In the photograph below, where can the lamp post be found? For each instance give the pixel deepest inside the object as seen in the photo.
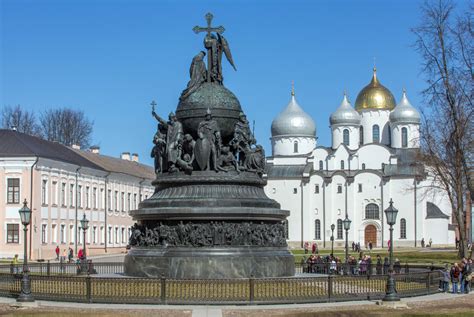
(332, 239)
(347, 225)
(25, 295)
(84, 226)
(391, 291)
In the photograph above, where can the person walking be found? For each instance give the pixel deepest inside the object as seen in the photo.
(422, 242)
(57, 252)
(445, 279)
(370, 245)
(378, 267)
(15, 263)
(386, 266)
(454, 274)
(466, 276)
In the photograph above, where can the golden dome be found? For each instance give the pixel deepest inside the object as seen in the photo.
(375, 96)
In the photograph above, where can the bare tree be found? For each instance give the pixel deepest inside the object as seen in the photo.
(445, 43)
(66, 126)
(20, 119)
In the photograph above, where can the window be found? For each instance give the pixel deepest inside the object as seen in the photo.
(71, 195)
(109, 199)
(13, 233)
(339, 229)
(404, 137)
(122, 201)
(342, 164)
(339, 189)
(375, 133)
(44, 192)
(345, 137)
(94, 198)
(372, 211)
(54, 233)
(287, 234)
(94, 234)
(116, 200)
(123, 235)
(295, 147)
(295, 190)
(321, 165)
(13, 192)
(116, 235)
(403, 228)
(361, 136)
(79, 196)
(102, 238)
(54, 193)
(129, 201)
(110, 234)
(43, 233)
(101, 199)
(360, 188)
(71, 234)
(134, 201)
(63, 194)
(316, 189)
(63, 233)
(317, 229)
(363, 166)
(87, 197)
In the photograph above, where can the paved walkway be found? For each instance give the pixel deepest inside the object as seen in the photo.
(217, 311)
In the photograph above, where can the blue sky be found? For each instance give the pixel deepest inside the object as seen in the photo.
(111, 58)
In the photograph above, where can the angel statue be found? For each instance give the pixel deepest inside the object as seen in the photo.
(215, 45)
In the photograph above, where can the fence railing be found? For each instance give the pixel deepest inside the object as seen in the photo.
(310, 288)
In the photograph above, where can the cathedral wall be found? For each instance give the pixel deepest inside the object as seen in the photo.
(285, 145)
(372, 156)
(379, 117)
(413, 136)
(337, 136)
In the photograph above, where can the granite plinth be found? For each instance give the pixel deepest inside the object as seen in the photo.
(209, 263)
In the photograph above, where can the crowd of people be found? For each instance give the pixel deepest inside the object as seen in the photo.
(459, 275)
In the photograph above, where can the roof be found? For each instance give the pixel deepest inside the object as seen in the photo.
(433, 212)
(293, 121)
(117, 165)
(281, 171)
(17, 144)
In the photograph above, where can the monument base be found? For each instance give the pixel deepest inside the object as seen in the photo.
(209, 263)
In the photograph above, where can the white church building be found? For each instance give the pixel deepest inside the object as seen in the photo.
(372, 159)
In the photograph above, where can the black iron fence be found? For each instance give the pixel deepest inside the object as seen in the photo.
(64, 286)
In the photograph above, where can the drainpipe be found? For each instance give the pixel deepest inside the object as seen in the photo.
(75, 210)
(324, 212)
(414, 204)
(31, 204)
(106, 211)
(302, 209)
(382, 211)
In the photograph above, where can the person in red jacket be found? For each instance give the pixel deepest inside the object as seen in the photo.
(57, 252)
(80, 254)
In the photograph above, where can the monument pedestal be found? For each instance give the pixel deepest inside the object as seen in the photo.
(209, 263)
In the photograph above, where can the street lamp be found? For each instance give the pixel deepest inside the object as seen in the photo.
(84, 226)
(332, 239)
(347, 225)
(25, 295)
(391, 292)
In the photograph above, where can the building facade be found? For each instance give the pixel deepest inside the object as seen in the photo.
(372, 160)
(61, 185)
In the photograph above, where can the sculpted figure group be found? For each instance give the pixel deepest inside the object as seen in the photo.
(175, 151)
(214, 233)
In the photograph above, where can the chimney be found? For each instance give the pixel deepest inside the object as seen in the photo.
(95, 149)
(125, 156)
(76, 146)
(135, 157)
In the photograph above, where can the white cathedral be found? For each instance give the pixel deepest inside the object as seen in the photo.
(372, 159)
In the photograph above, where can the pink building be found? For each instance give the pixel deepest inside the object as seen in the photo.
(61, 184)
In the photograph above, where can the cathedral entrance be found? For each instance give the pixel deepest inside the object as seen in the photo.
(370, 235)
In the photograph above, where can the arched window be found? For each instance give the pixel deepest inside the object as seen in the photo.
(321, 165)
(389, 136)
(317, 229)
(361, 136)
(287, 234)
(339, 228)
(295, 147)
(345, 137)
(342, 164)
(403, 228)
(404, 137)
(375, 133)
(363, 166)
(372, 211)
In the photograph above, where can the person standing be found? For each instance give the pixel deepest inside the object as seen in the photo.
(15, 263)
(430, 242)
(422, 242)
(378, 267)
(306, 247)
(466, 276)
(70, 255)
(455, 272)
(57, 252)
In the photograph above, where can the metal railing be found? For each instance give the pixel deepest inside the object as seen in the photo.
(310, 288)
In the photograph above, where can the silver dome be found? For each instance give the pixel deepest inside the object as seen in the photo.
(293, 121)
(345, 114)
(404, 112)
